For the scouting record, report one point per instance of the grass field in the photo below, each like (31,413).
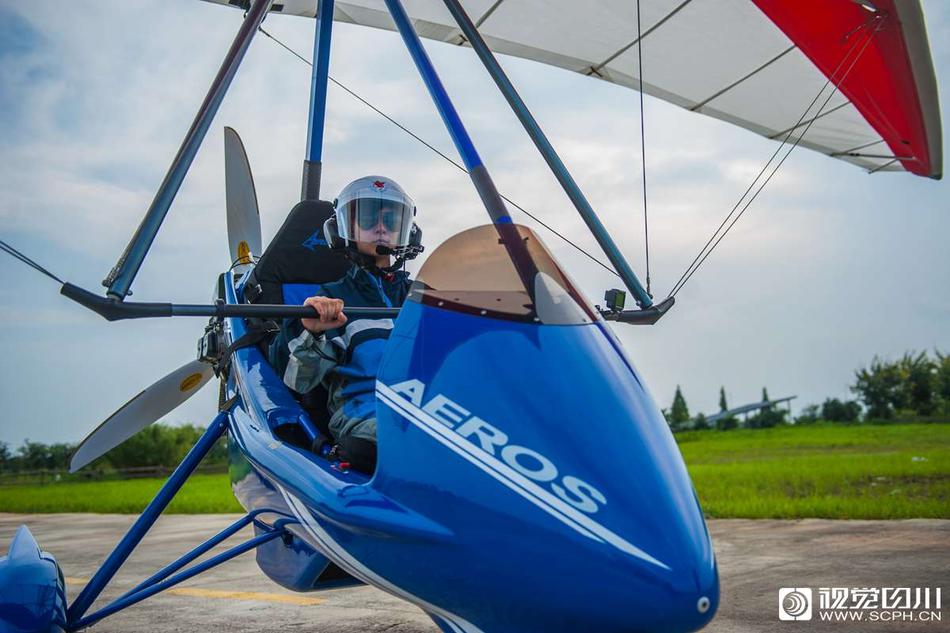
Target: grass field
(827,471)
(201,494)
(836,472)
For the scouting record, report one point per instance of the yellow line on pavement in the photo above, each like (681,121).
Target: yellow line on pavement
(198,592)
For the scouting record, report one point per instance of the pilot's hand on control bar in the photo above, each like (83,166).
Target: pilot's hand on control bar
(330,311)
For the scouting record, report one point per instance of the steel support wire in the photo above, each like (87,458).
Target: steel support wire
(508,234)
(873,27)
(437,151)
(643,151)
(549,154)
(13,252)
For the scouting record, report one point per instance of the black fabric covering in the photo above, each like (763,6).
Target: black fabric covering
(297,254)
(360,452)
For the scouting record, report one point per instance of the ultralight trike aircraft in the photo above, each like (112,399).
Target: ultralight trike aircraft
(515,490)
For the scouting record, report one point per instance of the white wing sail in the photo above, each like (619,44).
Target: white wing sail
(754,63)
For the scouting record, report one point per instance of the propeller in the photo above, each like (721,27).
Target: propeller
(244,219)
(150,405)
(244,240)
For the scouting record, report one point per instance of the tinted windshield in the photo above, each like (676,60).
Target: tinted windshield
(475,272)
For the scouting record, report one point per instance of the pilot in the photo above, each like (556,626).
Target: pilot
(372,224)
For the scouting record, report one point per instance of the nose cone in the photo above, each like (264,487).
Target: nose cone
(620,440)
(569,500)
(660,572)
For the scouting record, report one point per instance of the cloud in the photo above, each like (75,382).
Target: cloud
(827,268)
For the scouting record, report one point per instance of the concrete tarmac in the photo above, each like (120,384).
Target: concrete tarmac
(756,558)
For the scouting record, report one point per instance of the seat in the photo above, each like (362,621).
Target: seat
(297,261)
(293,267)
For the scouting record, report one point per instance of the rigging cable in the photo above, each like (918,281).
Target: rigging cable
(643,151)
(442,154)
(26,260)
(713,240)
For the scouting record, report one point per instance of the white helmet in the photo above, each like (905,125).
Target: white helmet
(375,208)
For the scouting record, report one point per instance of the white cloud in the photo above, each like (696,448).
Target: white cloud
(802,291)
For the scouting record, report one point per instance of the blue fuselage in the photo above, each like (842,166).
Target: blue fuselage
(526,482)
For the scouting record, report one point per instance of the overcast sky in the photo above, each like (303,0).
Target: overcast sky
(828,268)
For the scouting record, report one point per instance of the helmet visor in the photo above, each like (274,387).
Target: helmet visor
(375,220)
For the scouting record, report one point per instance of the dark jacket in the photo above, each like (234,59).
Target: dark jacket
(345,360)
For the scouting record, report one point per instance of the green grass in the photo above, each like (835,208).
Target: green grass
(201,494)
(825,471)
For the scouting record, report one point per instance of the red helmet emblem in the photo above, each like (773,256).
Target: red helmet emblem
(379,184)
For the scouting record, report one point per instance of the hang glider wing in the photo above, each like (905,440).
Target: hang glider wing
(753,63)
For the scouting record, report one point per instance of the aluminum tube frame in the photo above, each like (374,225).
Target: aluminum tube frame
(185,559)
(544,146)
(114,310)
(313,165)
(145,521)
(120,278)
(463,142)
(214,561)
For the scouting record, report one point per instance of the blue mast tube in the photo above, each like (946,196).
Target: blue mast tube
(155,507)
(120,278)
(550,155)
(473,162)
(313,165)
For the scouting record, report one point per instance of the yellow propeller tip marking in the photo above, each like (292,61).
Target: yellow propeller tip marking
(189,383)
(244,252)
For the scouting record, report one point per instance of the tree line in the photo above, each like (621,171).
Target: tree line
(157,445)
(914,386)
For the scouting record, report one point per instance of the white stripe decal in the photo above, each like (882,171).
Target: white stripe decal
(348,562)
(290,373)
(435,430)
(514,480)
(352,329)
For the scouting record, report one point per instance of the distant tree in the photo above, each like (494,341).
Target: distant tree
(723,405)
(881,388)
(5,456)
(727,423)
(835,410)
(160,445)
(679,412)
(920,375)
(39,456)
(809,414)
(943,381)
(700,423)
(767,417)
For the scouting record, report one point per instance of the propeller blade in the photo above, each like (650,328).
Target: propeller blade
(244,220)
(142,410)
